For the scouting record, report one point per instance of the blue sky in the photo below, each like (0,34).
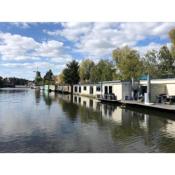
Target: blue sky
(26,46)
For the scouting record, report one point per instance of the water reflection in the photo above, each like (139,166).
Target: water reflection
(36,121)
(70,108)
(37,96)
(143,130)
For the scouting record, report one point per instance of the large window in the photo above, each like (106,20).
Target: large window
(75,89)
(106,89)
(98,88)
(84,88)
(110,89)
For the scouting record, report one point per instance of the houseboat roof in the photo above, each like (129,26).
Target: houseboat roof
(159,81)
(103,82)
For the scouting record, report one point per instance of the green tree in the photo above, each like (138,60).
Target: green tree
(1,81)
(86,67)
(71,74)
(38,78)
(166,65)
(61,78)
(128,63)
(151,63)
(48,78)
(103,71)
(172,36)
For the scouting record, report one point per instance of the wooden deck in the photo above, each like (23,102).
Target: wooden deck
(163,107)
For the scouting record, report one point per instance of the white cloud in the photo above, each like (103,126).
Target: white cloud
(49,49)
(72,30)
(14,47)
(20,55)
(143,49)
(21,48)
(21,24)
(99,39)
(93,40)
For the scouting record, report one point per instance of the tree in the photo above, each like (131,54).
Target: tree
(128,63)
(151,63)
(86,67)
(166,65)
(172,36)
(71,74)
(38,78)
(103,71)
(59,79)
(48,78)
(1,81)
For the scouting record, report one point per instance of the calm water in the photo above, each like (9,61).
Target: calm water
(34,121)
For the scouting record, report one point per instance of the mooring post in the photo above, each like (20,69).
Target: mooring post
(132,88)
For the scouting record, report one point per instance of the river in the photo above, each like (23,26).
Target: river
(41,122)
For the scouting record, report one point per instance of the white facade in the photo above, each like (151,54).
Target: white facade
(118,88)
(160,86)
(122,89)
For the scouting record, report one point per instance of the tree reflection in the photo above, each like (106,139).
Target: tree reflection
(145,129)
(70,108)
(47,98)
(37,96)
(136,124)
(88,115)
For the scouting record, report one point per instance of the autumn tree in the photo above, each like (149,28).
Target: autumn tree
(86,67)
(128,63)
(151,63)
(103,71)
(172,36)
(167,60)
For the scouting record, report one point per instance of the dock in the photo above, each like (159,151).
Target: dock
(153,106)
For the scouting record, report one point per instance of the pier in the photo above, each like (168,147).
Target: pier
(153,106)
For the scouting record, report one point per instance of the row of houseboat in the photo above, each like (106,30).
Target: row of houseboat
(120,90)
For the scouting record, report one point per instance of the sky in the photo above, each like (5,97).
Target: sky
(24,47)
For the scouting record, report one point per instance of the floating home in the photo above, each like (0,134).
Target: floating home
(121,89)
(157,87)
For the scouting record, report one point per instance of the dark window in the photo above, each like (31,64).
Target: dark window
(110,89)
(98,88)
(91,90)
(84,88)
(75,88)
(106,89)
(79,89)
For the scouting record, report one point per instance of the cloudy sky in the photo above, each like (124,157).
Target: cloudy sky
(26,46)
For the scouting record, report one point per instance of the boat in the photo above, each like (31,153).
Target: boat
(108,98)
